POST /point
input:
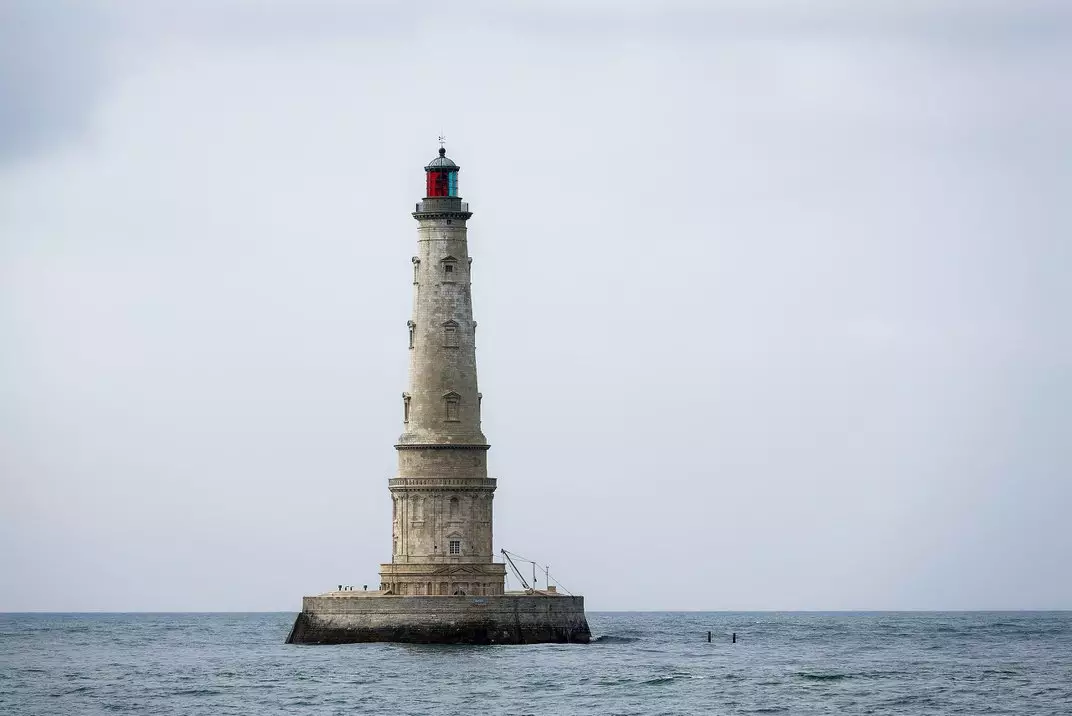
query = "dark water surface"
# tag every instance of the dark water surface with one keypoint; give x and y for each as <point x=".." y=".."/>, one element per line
<point x="640" y="663"/>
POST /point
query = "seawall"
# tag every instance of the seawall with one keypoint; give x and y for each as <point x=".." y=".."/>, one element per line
<point x="355" y="617"/>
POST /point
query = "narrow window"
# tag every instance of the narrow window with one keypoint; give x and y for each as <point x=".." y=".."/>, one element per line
<point x="405" y="407"/>
<point x="453" y="508"/>
<point x="455" y="546"/>
<point x="450" y="402"/>
<point x="450" y="337"/>
<point x="416" y="268"/>
<point x="412" y="331"/>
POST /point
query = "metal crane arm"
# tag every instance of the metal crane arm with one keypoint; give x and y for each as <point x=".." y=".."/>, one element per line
<point x="516" y="570"/>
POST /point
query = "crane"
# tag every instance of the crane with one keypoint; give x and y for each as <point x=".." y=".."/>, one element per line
<point x="516" y="570"/>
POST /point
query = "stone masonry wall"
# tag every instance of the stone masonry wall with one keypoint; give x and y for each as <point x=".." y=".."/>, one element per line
<point x="505" y="619"/>
<point x="446" y="519"/>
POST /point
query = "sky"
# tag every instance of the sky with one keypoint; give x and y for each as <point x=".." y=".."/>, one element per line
<point x="773" y="296"/>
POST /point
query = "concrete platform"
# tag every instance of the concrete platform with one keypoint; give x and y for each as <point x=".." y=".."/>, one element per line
<point x="511" y="618"/>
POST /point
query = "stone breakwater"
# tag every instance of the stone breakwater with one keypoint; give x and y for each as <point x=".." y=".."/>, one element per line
<point x="347" y="618"/>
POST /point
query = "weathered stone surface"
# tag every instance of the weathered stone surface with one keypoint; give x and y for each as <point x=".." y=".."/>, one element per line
<point x="442" y="498"/>
<point x="502" y="619"/>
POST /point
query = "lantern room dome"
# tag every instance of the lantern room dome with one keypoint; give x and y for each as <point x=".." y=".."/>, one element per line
<point x="442" y="161"/>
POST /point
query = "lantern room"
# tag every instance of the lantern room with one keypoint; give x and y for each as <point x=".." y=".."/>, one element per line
<point x="442" y="176"/>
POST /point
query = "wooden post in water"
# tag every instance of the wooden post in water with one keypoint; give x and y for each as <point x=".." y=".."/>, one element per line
<point x="734" y="637"/>
<point x="708" y="637"/>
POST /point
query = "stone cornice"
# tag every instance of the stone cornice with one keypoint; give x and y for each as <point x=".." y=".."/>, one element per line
<point x="441" y="446"/>
<point x="421" y="215"/>
<point x="424" y="483"/>
<point x="404" y="569"/>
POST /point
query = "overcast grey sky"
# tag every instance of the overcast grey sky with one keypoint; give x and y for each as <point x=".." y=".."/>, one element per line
<point x="773" y="296"/>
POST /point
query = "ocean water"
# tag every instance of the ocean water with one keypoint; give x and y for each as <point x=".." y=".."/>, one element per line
<point x="639" y="663"/>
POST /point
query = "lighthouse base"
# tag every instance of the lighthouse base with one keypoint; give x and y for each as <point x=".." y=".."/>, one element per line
<point x="513" y="618"/>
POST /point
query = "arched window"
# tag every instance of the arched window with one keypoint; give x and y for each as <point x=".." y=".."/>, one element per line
<point x="453" y="513"/>
<point x="418" y="508"/>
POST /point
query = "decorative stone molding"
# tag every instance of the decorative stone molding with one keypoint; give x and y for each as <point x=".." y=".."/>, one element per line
<point x="450" y="269"/>
<point x="450" y="334"/>
<point x="462" y="215"/>
<point x="442" y="446"/>
<point x="451" y="407"/>
<point x="468" y="484"/>
<point x="403" y="571"/>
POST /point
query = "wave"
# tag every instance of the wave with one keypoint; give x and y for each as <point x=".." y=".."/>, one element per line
<point x="823" y="677"/>
<point x="196" y="692"/>
<point x="614" y="639"/>
<point x="658" y="680"/>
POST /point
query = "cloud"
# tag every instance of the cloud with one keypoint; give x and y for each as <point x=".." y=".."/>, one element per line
<point x="53" y="72"/>
<point x="768" y="285"/>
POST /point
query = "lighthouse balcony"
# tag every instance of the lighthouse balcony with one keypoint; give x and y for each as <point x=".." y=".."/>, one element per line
<point x="441" y="205"/>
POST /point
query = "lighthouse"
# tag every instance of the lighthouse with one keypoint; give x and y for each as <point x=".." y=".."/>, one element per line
<point x="442" y="496"/>
<point x="442" y="583"/>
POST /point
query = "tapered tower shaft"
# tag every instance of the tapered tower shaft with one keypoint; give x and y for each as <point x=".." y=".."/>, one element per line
<point x="442" y="496"/>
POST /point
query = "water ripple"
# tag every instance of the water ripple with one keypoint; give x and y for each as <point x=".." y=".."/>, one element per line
<point x="649" y="663"/>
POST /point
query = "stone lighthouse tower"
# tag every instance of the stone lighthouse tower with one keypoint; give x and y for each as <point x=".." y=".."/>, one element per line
<point x="442" y="584"/>
<point x="442" y="496"/>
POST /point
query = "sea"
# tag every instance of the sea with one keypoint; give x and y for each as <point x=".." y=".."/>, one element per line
<point x="638" y="663"/>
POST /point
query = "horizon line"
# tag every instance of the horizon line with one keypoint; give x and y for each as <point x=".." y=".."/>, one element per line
<point x="602" y="611"/>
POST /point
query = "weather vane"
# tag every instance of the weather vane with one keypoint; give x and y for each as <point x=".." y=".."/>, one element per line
<point x="442" y="140"/>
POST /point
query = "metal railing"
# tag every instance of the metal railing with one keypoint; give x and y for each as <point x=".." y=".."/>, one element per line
<point x="444" y="204"/>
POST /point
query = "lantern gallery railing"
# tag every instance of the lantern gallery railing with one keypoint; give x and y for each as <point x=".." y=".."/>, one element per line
<point x="445" y="204"/>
